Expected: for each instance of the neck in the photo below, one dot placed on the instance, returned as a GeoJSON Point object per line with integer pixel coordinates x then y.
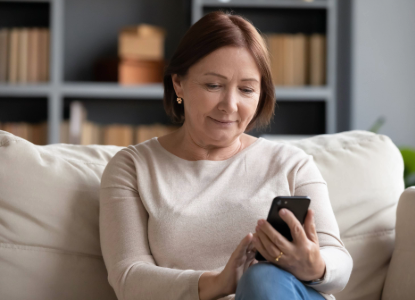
{"type": "Point", "coordinates": [193, 148]}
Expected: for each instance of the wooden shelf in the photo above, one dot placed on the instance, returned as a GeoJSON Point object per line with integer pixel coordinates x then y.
{"type": "Point", "coordinates": [145, 91]}
{"type": "Point", "coordinates": [21, 90]}
{"type": "Point", "coordinates": [302, 93]}
{"type": "Point", "coordinates": [113, 90]}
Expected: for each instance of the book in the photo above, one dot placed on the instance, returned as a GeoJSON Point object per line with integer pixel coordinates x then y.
{"type": "Point", "coordinates": [35, 133]}
{"type": "Point", "coordinates": [274, 44]}
{"type": "Point", "coordinates": [46, 55]}
{"type": "Point", "coordinates": [64, 132]}
{"type": "Point", "coordinates": [40, 133]}
{"type": "Point", "coordinates": [33, 61]}
{"type": "Point", "coordinates": [43, 55]}
{"type": "Point", "coordinates": [13, 55]}
{"type": "Point", "coordinates": [317, 56]}
{"type": "Point", "coordinates": [4, 49]}
{"type": "Point", "coordinates": [91, 133]}
{"type": "Point", "coordinates": [23, 55]}
{"type": "Point", "coordinates": [300, 59]}
{"type": "Point", "coordinates": [146, 132]}
{"type": "Point", "coordinates": [118, 134]}
{"type": "Point", "coordinates": [288, 53]}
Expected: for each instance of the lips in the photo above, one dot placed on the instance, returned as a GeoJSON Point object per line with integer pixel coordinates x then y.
{"type": "Point", "coordinates": [223, 121]}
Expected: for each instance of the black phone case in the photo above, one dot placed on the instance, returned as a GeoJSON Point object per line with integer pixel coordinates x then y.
{"type": "Point", "coordinates": [299, 207]}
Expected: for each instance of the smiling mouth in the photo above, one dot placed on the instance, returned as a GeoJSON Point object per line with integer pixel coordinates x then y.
{"type": "Point", "coordinates": [223, 122]}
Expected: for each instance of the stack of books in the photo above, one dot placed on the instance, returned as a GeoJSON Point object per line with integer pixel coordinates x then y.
{"type": "Point", "coordinates": [37, 133]}
{"type": "Point", "coordinates": [297, 59]}
{"type": "Point", "coordinates": [141, 54]}
{"type": "Point", "coordinates": [24, 55]}
{"type": "Point", "coordinates": [79, 130]}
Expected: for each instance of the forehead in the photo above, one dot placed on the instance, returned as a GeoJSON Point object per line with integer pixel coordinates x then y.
{"type": "Point", "coordinates": [228, 61]}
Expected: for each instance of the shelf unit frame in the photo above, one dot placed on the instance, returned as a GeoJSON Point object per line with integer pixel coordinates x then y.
{"type": "Point", "coordinates": [57, 89]}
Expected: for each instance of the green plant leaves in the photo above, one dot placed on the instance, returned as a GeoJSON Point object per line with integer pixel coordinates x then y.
{"type": "Point", "coordinates": [408, 155]}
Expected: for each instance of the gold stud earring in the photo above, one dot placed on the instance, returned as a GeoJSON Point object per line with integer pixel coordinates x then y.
{"type": "Point", "coordinates": [179, 100]}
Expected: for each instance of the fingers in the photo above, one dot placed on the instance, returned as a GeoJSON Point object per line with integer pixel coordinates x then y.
{"type": "Point", "coordinates": [259, 246]}
{"type": "Point", "coordinates": [269, 246]}
{"type": "Point", "coordinates": [243, 248]}
{"type": "Point", "coordinates": [297, 230]}
{"type": "Point", "coordinates": [310, 227]}
{"type": "Point", "coordinates": [274, 236]}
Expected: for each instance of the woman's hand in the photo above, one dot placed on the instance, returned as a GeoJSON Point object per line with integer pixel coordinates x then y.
{"type": "Point", "coordinates": [241, 259]}
{"type": "Point", "coordinates": [217, 285]}
{"type": "Point", "coordinates": [301, 257]}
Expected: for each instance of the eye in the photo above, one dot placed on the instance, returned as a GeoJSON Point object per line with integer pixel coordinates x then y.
{"type": "Point", "coordinates": [212, 86]}
{"type": "Point", "coordinates": [247, 91]}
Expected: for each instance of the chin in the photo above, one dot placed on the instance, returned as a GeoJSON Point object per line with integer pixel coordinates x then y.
{"type": "Point", "coordinates": [222, 137]}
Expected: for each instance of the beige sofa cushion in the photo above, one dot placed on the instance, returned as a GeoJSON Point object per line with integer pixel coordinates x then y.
{"type": "Point", "coordinates": [49, 238]}
{"type": "Point", "coordinates": [364, 174]}
{"type": "Point", "coordinates": [49, 206]}
{"type": "Point", "coordinates": [400, 280]}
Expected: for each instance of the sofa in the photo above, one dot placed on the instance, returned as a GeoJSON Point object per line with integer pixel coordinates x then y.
{"type": "Point", "coordinates": [49, 209]}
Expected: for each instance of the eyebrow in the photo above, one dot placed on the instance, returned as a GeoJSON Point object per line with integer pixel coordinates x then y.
{"type": "Point", "coordinates": [219, 75]}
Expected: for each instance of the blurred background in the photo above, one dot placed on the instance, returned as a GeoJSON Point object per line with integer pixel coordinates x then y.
{"type": "Point", "coordinates": [90, 71]}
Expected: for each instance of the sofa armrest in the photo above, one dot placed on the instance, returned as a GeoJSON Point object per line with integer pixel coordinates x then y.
{"type": "Point", "coordinates": [400, 282]}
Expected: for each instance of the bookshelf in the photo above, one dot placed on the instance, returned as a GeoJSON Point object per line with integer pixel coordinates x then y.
{"type": "Point", "coordinates": [291, 17]}
{"type": "Point", "coordinates": [81, 33]}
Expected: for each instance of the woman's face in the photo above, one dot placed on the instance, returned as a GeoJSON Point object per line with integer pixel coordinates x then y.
{"type": "Point", "coordinates": [220, 95]}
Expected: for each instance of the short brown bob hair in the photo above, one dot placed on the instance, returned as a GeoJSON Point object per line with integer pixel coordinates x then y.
{"type": "Point", "coordinates": [213, 31]}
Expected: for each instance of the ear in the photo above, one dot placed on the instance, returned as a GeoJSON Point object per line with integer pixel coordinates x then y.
{"type": "Point", "coordinates": [177, 85]}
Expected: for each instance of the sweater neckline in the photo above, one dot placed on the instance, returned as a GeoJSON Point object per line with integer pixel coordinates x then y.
{"type": "Point", "coordinates": [206, 161]}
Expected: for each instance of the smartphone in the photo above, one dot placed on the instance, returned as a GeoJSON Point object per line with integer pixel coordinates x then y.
{"type": "Point", "coordinates": [298, 205]}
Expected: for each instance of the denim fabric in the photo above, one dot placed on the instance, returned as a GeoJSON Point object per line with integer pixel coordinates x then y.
{"type": "Point", "coordinates": [265, 281]}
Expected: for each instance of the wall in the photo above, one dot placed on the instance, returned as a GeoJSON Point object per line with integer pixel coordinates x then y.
{"type": "Point", "coordinates": [383, 67]}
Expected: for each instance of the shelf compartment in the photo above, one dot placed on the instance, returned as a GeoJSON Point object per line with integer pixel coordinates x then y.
{"type": "Point", "coordinates": [25, 117]}
{"type": "Point", "coordinates": [268, 3]}
{"type": "Point", "coordinates": [120, 111]}
{"type": "Point", "coordinates": [280, 20]}
{"type": "Point", "coordinates": [297, 118]}
{"type": "Point", "coordinates": [24, 14]}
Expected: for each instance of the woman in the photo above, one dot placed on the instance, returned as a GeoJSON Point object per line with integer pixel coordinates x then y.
{"type": "Point", "coordinates": [177, 212]}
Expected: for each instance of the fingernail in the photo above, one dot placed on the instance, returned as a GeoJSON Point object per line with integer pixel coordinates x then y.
{"type": "Point", "coordinates": [260, 222]}
{"type": "Point", "coordinates": [283, 211]}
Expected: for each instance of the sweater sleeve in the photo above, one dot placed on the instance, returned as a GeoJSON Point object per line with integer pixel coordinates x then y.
{"type": "Point", "coordinates": [132, 270]}
{"type": "Point", "coordinates": [339, 263]}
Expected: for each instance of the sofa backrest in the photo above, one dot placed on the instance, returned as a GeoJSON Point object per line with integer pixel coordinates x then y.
{"type": "Point", "coordinates": [364, 175]}
{"type": "Point", "coordinates": [49, 208]}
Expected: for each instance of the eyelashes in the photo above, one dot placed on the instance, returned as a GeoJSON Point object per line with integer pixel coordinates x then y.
{"type": "Point", "coordinates": [215, 86]}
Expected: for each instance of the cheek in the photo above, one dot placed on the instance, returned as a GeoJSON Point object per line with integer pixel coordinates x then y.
{"type": "Point", "coordinates": [201, 103]}
{"type": "Point", "coordinates": [247, 110]}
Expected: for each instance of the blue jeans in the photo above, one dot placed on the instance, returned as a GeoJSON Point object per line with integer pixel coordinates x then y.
{"type": "Point", "coordinates": [265, 281]}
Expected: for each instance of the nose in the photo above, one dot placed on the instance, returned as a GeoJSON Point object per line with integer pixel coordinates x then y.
{"type": "Point", "coordinates": [229, 102]}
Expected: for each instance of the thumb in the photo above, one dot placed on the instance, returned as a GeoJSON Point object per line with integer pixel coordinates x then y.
{"type": "Point", "coordinates": [244, 246]}
{"type": "Point", "coordinates": [310, 227]}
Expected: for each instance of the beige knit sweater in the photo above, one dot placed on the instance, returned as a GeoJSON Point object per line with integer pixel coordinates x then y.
{"type": "Point", "coordinates": [165, 220]}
